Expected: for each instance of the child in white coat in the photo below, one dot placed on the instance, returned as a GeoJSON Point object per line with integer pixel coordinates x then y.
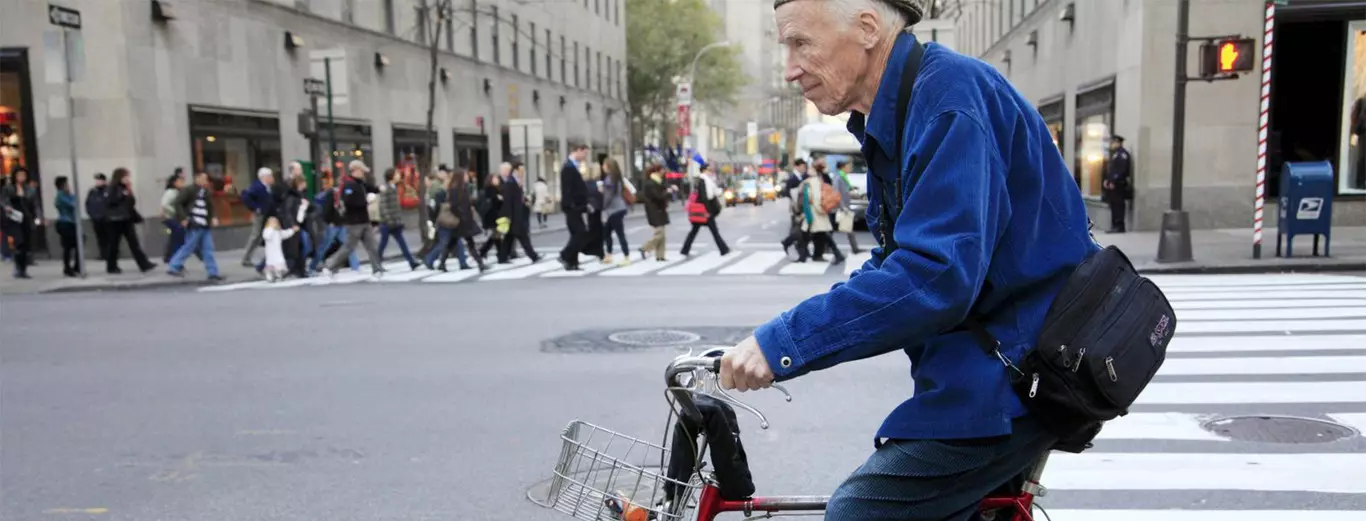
{"type": "Point", "coordinates": [274, 237]}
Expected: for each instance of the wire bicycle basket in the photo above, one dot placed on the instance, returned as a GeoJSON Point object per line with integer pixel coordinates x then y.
{"type": "Point", "coordinates": [603, 475]}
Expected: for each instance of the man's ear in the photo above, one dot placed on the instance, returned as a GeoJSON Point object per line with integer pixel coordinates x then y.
{"type": "Point", "coordinates": [870, 29]}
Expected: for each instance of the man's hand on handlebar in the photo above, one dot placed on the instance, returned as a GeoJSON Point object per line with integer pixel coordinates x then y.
{"type": "Point", "coordinates": [744, 367]}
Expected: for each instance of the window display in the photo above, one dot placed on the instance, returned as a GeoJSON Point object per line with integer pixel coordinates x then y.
{"type": "Point", "coordinates": [1352, 178]}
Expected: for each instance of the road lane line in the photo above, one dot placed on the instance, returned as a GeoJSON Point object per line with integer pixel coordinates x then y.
{"type": "Point", "coordinates": [809, 267]}
{"type": "Point", "coordinates": [642, 268]}
{"type": "Point", "coordinates": [756, 263]}
{"type": "Point", "coordinates": [1269, 297]}
{"type": "Point", "coordinates": [1250, 280]}
{"type": "Point", "coordinates": [1273, 314]}
{"type": "Point", "coordinates": [407, 276]}
{"type": "Point", "coordinates": [523, 271]}
{"type": "Point", "coordinates": [1342, 473]}
{"type": "Point", "coordinates": [589, 267]}
{"type": "Point", "coordinates": [1221, 393]}
{"type": "Point", "coordinates": [453, 276]}
{"type": "Point", "coordinates": [1191, 305]}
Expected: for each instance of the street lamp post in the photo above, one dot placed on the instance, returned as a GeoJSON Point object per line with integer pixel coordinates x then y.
{"type": "Point", "coordinates": [692, 76]}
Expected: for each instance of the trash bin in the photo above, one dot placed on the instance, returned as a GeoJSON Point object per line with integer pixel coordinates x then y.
{"type": "Point", "coordinates": [1306, 204]}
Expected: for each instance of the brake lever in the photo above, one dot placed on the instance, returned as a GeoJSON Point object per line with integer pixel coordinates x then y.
{"type": "Point", "coordinates": [713, 387]}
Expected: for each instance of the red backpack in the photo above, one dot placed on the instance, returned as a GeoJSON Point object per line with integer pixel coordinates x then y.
{"type": "Point", "coordinates": [697, 210]}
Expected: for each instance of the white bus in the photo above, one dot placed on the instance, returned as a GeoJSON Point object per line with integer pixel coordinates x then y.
{"type": "Point", "coordinates": [836, 143]}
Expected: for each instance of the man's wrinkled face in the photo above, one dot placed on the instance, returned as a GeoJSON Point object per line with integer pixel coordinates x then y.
{"type": "Point", "coordinates": [826, 55]}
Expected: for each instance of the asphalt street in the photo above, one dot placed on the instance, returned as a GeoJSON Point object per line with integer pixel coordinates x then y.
{"type": "Point", "coordinates": [431, 401]}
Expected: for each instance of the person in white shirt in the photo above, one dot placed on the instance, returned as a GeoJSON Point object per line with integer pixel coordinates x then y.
{"type": "Point", "coordinates": [274, 237]}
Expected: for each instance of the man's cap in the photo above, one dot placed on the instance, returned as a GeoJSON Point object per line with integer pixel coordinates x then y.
{"type": "Point", "coordinates": [1118, 138]}
{"type": "Point", "coordinates": [100, 177]}
{"type": "Point", "coordinates": [357, 164]}
{"type": "Point", "coordinates": [913, 10]}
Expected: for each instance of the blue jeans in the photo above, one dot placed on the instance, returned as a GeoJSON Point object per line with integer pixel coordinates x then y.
{"type": "Point", "coordinates": [444, 238]}
{"type": "Point", "coordinates": [197, 240]}
{"type": "Point", "coordinates": [937, 480]}
{"type": "Point", "coordinates": [396, 231]}
{"type": "Point", "coordinates": [332, 233]}
{"type": "Point", "coordinates": [175, 238]}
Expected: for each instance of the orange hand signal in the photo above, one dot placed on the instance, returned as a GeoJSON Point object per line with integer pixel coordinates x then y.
{"type": "Point", "coordinates": [1228, 56]}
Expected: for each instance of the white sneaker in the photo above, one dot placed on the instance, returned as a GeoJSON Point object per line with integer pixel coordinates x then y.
{"type": "Point", "coordinates": [625, 261]}
{"type": "Point", "coordinates": [331, 275]}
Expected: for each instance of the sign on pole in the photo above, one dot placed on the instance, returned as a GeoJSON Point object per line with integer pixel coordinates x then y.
{"type": "Point", "coordinates": [64, 17]}
{"type": "Point", "coordinates": [684, 121]}
{"type": "Point", "coordinates": [526, 138]}
{"type": "Point", "coordinates": [684, 93]}
{"type": "Point", "coordinates": [315, 87]}
{"type": "Point", "coordinates": [70, 20]}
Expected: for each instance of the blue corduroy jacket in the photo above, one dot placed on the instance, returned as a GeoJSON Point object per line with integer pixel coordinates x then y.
{"type": "Point", "coordinates": [992, 223]}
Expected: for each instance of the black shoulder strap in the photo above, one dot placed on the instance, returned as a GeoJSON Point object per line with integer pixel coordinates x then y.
{"type": "Point", "coordinates": [890, 199]}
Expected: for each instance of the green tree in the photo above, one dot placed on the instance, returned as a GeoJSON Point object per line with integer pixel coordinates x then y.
{"type": "Point", "coordinates": [662, 38]}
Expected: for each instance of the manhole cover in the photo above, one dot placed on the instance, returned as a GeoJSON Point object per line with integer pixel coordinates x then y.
{"type": "Point", "coordinates": [654, 337]}
{"type": "Point", "coordinates": [1278, 429]}
{"type": "Point", "coordinates": [636, 340]}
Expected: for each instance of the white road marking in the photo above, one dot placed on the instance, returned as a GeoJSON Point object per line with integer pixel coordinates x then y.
{"type": "Point", "coordinates": [1157, 426]}
{"type": "Point", "coordinates": [523, 271]}
{"type": "Point", "coordinates": [406, 276]}
{"type": "Point", "coordinates": [700, 264]}
{"type": "Point", "coordinates": [809, 267]}
{"type": "Point", "coordinates": [1343, 473]}
{"type": "Point", "coordinates": [1268, 295]}
{"type": "Point", "coordinates": [1272, 314]}
{"type": "Point", "coordinates": [1266, 365]}
{"type": "Point", "coordinates": [1167, 393]}
{"type": "Point", "coordinates": [588, 267]}
{"type": "Point", "coordinates": [641, 268]}
{"type": "Point", "coordinates": [856, 261]}
{"type": "Point", "coordinates": [1249, 279]}
{"type": "Point", "coordinates": [1267, 326]}
{"type": "Point", "coordinates": [1355, 420]}
{"type": "Point", "coordinates": [1266, 343]}
{"type": "Point", "coordinates": [756, 263]}
{"type": "Point", "coordinates": [453, 276]}
{"type": "Point", "coordinates": [1184, 305]}
{"type": "Point", "coordinates": [635, 229]}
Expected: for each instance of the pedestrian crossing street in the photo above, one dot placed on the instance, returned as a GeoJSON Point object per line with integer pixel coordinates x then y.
{"type": "Point", "coordinates": [1273, 346]}
{"type": "Point", "coordinates": [762, 262]}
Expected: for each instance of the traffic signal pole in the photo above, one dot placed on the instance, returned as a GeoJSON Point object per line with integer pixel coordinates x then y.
{"type": "Point", "coordinates": [1174, 243]}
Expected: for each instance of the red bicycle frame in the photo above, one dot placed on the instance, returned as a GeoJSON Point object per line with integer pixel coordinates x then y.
{"type": "Point", "coordinates": [710, 504]}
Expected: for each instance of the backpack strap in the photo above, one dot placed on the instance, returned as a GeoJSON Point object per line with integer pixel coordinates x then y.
{"type": "Point", "coordinates": [887, 217]}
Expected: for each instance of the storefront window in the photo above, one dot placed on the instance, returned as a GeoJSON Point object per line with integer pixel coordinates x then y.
{"type": "Point", "coordinates": [1352, 179]}
{"type": "Point", "coordinates": [1095, 123]}
{"type": "Point", "coordinates": [1052, 113]}
{"type": "Point", "coordinates": [16, 147]}
{"type": "Point", "coordinates": [230, 147]}
{"type": "Point", "coordinates": [353, 142]}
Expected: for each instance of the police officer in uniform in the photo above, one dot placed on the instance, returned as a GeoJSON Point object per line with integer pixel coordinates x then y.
{"type": "Point", "coordinates": [1119, 188]}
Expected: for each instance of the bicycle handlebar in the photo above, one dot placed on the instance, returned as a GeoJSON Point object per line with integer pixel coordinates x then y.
{"type": "Point", "coordinates": [710, 360]}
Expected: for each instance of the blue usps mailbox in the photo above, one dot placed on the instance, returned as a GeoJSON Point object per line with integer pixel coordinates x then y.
{"type": "Point", "coordinates": [1306, 204]}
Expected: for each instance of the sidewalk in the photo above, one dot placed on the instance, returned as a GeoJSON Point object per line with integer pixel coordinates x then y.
{"type": "Point", "coordinates": [1230, 251]}
{"type": "Point", "coordinates": [48, 278]}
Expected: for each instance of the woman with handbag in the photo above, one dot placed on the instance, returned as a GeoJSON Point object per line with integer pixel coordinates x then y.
{"type": "Point", "coordinates": [617, 200]}
{"type": "Point", "coordinates": [490, 207]}
{"type": "Point", "coordinates": [20, 221]}
{"type": "Point", "coordinates": [704, 204]}
{"type": "Point", "coordinates": [455, 223]}
{"type": "Point", "coordinates": [123, 216]}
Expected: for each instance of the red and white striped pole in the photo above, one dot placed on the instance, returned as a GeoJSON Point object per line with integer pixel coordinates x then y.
{"type": "Point", "coordinates": [1262, 130]}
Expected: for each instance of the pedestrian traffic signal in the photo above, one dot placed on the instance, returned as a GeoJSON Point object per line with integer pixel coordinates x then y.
{"type": "Point", "coordinates": [1227, 56]}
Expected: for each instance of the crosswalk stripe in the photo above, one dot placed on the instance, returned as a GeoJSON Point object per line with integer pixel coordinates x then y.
{"type": "Point", "coordinates": [1266, 365]}
{"type": "Point", "coordinates": [700, 264]}
{"type": "Point", "coordinates": [1258, 288]}
{"type": "Point", "coordinates": [1273, 314]}
{"type": "Point", "coordinates": [1343, 473]}
{"type": "Point", "coordinates": [805, 268]}
{"type": "Point", "coordinates": [586, 269]}
{"type": "Point", "coordinates": [1190, 305]}
{"type": "Point", "coordinates": [1266, 326]}
{"type": "Point", "coordinates": [1183, 393]}
{"type": "Point", "coordinates": [452, 276]}
{"type": "Point", "coordinates": [341, 277]}
{"type": "Point", "coordinates": [234, 286]}
{"type": "Point", "coordinates": [1355, 420]}
{"type": "Point", "coordinates": [1203, 515]}
{"type": "Point", "coordinates": [756, 263]}
{"type": "Point", "coordinates": [1248, 279]}
{"type": "Point", "coordinates": [1265, 295]}
{"type": "Point", "coordinates": [1157, 426]}
{"type": "Point", "coordinates": [406, 276]}
{"type": "Point", "coordinates": [855, 261]}
{"type": "Point", "coordinates": [641, 268]}
{"type": "Point", "coordinates": [522, 272]}
{"type": "Point", "coordinates": [1189, 344]}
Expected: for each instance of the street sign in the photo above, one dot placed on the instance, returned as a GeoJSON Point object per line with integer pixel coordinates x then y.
{"type": "Point", "coordinates": [63, 17]}
{"type": "Point", "coordinates": [315, 87]}
{"type": "Point", "coordinates": [526, 134]}
{"type": "Point", "coordinates": [684, 93]}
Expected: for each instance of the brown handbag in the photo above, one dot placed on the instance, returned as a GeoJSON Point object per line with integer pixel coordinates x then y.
{"type": "Point", "coordinates": [446, 218]}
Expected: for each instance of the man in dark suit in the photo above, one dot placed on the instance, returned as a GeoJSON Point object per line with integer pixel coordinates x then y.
{"type": "Point", "coordinates": [1118, 183]}
{"type": "Point", "coordinates": [574, 203]}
